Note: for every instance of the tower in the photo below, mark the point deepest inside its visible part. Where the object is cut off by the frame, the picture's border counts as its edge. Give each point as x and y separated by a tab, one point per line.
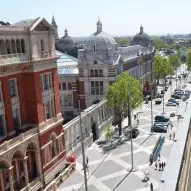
141	30
55	28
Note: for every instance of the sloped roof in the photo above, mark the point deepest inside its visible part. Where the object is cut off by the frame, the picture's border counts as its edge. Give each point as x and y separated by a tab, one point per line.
25	22
67	65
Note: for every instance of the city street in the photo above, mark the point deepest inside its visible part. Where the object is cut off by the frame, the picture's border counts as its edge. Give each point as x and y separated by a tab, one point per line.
108	172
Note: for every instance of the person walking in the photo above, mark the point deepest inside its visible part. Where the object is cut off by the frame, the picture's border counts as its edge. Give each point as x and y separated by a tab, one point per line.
87	160
159	166
137	121
162	166
170	136
156	165
164	163
151	186
174	134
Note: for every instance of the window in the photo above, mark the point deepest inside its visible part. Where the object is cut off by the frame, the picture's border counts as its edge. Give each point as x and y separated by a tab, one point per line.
96	73
53	146
69	85
2	125
100	73
94	48
95	61
68	100
64	86
16	118
42	45
12	87
46	81
97	87
49	109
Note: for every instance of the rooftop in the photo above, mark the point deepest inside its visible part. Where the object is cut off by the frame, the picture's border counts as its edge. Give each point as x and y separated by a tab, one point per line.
67	65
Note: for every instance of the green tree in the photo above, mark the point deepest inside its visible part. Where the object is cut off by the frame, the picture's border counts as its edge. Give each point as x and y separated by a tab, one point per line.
174	61
123	95
158	43
157	69
123	41
188	59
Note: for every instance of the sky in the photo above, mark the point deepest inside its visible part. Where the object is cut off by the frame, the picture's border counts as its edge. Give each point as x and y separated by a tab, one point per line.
118	17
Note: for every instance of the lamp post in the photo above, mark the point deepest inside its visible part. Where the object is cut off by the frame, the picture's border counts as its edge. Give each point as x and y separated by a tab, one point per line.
152	97
83	151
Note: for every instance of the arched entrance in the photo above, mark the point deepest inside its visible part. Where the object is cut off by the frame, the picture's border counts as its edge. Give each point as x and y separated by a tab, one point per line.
4	176
18	171
94	130
31	152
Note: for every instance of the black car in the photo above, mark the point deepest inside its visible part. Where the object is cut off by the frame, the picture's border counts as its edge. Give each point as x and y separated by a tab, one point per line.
176	96
162	119
135	133
158	101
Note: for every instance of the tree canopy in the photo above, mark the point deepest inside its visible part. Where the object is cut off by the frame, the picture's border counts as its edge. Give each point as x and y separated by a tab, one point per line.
125	93
188	59
123	41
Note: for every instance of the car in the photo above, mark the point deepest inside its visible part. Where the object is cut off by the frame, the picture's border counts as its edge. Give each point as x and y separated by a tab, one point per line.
184	98
179	91
135	133
171	104
162	119
176	96
158	101
174	101
160	128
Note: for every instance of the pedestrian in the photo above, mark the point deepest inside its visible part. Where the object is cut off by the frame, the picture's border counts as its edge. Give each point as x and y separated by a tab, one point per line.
162	166
87	160
135	116
151	186
137	121
159	166
174	134
151	159
155	165
87	169
170	136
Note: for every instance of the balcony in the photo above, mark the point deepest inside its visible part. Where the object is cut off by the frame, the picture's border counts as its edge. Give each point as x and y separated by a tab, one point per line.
14	141
12	58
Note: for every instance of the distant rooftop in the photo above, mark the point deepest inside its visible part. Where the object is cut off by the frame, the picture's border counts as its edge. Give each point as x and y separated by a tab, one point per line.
67	65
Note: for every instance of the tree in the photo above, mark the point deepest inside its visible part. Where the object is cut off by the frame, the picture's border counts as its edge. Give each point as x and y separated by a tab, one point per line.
174	61
109	132
188	59
125	41
157	69
123	95
158	43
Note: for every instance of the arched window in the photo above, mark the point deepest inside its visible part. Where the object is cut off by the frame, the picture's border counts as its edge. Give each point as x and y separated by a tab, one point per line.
13	46
42	45
22	46
94	48
18	45
8	48
53	146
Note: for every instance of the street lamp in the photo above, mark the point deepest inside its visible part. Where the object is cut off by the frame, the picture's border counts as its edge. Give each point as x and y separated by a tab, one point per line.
83	151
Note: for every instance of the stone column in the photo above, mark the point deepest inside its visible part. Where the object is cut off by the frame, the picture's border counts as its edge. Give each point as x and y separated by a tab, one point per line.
11	179
26	170
1	181
17	171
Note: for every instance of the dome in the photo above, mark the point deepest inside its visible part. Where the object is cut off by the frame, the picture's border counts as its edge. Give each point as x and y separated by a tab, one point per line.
100	40
66	41
141	39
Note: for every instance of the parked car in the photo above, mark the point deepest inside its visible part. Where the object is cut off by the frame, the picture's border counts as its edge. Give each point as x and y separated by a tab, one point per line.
166	88
176	96
158	101
135	133
174	101
179	91
184	98
162	119
171	104
160	127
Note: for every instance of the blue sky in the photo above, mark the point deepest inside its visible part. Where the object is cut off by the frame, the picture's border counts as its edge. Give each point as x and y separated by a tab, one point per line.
119	17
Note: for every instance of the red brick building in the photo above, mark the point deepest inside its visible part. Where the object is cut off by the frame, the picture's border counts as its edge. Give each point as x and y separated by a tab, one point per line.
32	149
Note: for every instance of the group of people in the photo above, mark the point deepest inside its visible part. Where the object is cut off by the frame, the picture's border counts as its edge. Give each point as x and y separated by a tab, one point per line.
172	136
160	165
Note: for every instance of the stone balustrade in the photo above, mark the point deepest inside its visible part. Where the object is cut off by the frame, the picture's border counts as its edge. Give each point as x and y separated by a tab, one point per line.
94	118
12	142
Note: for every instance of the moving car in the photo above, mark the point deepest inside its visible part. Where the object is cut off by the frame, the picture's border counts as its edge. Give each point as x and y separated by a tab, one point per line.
171	104
162	119
160	127
158	101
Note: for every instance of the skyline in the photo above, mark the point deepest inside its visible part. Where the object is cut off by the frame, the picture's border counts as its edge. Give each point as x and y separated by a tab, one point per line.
119	18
